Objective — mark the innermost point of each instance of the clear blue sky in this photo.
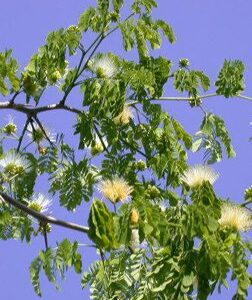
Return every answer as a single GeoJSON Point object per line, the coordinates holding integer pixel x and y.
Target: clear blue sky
{"type": "Point", "coordinates": [207, 33]}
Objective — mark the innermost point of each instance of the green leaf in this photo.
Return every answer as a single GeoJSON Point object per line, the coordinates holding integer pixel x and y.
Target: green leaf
{"type": "Point", "coordinates": [35, 268]}
{"type": "Point", "coordinates": [117, 4]}
{"type": "Point", "coordinates": [213, 136]}
{"type": "Point", "coordinates": [86, 19]}
{"type": "Point", "coordinates": [167, 29]}
{"type": "Point", "coordinates": [3, 87]}
{"type": "Point", "coordinates": [73, 37]}
{"type": "Point", "coordinates": [8, 70]}
{"type": "Point", "coordinates": [74, 183]}
{"type": "Point", "coordinates": [127, 30]}
{"type": "Point", "coordinates": [67, 256]}
{"type": "Point", "coordinates": [191, 81]}
{"type": "Point", "coordinates": [230, 80]}
{"type": "Point", "coordinates": [147, 4]}
{"type": "Point", "coordinates": [102, 229]}
{"type": "Point", "coordinates": [188, 280]}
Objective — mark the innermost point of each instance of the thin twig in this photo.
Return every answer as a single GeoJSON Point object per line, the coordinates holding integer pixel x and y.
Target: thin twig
{"type": "Point", "coordinates": [101, 139]}
{"type": "Point", "coordinates": [45, 236]}
{"type": "Point", "coordinates": [43, 130]}
{"type": "Point", "coordinates": [14, 96]}
{"type": "Point", "coordinates": [23, 133]}
{"type": "Point", "coordinates": [244, 97]}
{"type": "Point", "coordinates": [133, 148]}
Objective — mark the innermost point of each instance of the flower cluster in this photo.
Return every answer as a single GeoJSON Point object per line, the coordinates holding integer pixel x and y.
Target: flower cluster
{"type": "Point", "coordinates": [103, 65]}
{"type": "Point", "coordinates": [124, 117]}
{"type": "Point", "coordinates": [116, 189]}
{"type": "Point", "coordinates": [40, 203]}
{"type": "Point", "coordinates": [97, 146]}
{"type": "Point", "coordinates": [195, 176]}
{"type": "Point", "coordinates": [236, 217]}
{"type": "Point", "coordinates": [11, 127]}
{"type": "Point", "coordinates": [14, 164]}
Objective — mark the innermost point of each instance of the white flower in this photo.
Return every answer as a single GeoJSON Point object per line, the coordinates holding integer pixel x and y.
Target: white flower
{"type": "Point", "coordinates": [37, 135]}
{"type": "Point", "coordinates": [97, 146]}
{"type": "Point", "coordinates": [116, 189]}
{"type": "Point", "coordinates": [125, 116]}
{"type": "Point", "coordinates": [196, 175]}
{"type": "Point", "coordinates": [235, 216]}
{"type": "Point", "coordinates": [10, 128]}
{"type": "Point", "coordinates": [134, 241]}
{"type": "Point", "coordinates": [103, 66]}
{"type": "Point", "coordinates": [15, 164]}
{"type": "Point", "coordinates": [40, 203]}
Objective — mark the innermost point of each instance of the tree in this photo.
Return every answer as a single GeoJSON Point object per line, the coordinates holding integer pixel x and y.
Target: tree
{"type": "Point", "coordinates": [190, 237]}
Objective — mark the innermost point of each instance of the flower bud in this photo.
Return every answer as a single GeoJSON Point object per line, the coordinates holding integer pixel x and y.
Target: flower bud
{"type": "Point", "coordinates": [184, 63]}
{"type": "Point", "coordinates": [248, 193]}
{"type": "Point", "coordinates": [10, 128]}
{"type": "Point", "coordinates": [140, 165]}
{"type": "Point", "coordinates": [153, 191]}
{"type": "Point", "coordinates": [134, 217]}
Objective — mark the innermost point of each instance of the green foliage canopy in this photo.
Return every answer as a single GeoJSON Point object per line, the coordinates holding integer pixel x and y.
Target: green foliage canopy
{"type": "Point", "coordinates": [168, 241]}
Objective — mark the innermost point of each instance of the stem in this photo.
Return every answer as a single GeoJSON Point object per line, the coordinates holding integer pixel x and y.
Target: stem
{"type": "Point", "coordinates": [41, 217]}
{"type": "Point", "coordinates": [101, 139]}
{"type": "Point", "coordinates": [43, 130]}
{"type": "Point", "coordinates": [188, 98]}
{"type": "Point", "coordinates": [23, 133]}
{"type": "Point", "coordinates": [244, 97]}
{"type": "Point", "coordinates": [45, 236]}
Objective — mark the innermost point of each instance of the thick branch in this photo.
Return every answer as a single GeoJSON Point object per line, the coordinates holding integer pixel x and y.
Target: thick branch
{"type": "Point", "coordinates": [41, 217]}
{"type": "Point", "coordinates": [33, 111]}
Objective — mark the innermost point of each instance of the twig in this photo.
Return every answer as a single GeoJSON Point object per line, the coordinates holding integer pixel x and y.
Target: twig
{"type": "Point", "coordinates": [14, 96]}
{"type": "Point", "coordinates": [42, 217]}
{"type": "Point", "coordinates": [101, 139]}
{"type": "Point", "coordinates": [31, 111]}
{"type": "Point", "coordinates": [45, 236]}
{"type": "Point", "coordinates": [43, 130]}
{"type": "Point", "coordinates": [23, 133]}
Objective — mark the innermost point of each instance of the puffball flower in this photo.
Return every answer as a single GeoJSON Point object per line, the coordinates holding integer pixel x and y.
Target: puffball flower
{"type": "Point", "coordinates": [125, 116]}
{"type": "Point", "coordinates": [103, 65]}
{"type": "Point", "coordinates": [14, 164]}
{"type": "Point", "coordinates": [195, 176]}
{"type": "Point", "coordinates": [40, 203]}
{"type": "Point", "coordinates": [116, 189]}
{"type": "Point", "coordinates": [235, 216]}
{"type": "Point", "coordinates": [97, 146]}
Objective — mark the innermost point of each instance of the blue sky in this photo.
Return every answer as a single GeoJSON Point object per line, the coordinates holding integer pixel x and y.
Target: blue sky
{"type": "Point", "coordinates": [207, 33]}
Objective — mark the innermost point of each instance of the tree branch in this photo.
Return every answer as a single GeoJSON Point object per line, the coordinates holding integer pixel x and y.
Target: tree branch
{"type": "Point", "coordinates": [33, 111]}
{"type": "Point", "coordinates": [42, 217]}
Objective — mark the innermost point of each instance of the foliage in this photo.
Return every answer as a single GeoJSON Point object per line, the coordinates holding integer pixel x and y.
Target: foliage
{"type": "Point", "coordinates": [174, 247]}
{"type": "Point", "coordinates": [52, 261]}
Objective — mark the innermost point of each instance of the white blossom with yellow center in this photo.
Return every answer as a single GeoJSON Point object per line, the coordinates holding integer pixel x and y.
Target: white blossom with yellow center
{"type": "Point", "coordinates": [40, 203]}
{"type": "Point", "coordinates": [125, 116]}
{"type": "Point", "coordinates": [14, 164]}
{"type": "Point", "coordinates": [116, 189]}
{"type": "Point", "coordinates": [195, 176]}
{"type": "Point", "coordinates": [103, 66]}
{"type": "Point", "coordinates": [98, 146]}
{"type": "Point", "coordinates": [236, 217]}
